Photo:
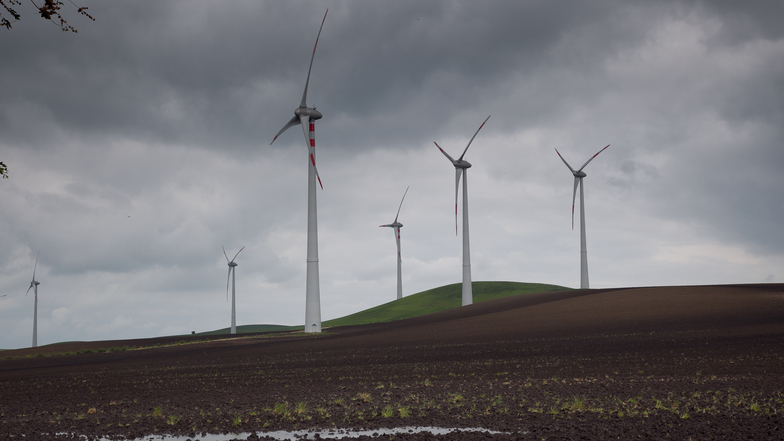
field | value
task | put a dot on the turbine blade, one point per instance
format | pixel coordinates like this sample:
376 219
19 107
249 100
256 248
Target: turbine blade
458 173
472 138
224 254
36 265
597 154
397 239
309 129
386 225
28 289
445 153
307 81
564 161
304 122
238 253
292 122
401 203
228 278
574 193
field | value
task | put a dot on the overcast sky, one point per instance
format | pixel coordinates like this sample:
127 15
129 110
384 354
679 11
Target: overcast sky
141 144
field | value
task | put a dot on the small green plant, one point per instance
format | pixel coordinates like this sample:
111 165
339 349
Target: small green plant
576 405
281 409
237 420
157 412
388 412
405 412
172 420
364 397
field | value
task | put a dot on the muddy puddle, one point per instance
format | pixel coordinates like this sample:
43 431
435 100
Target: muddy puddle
336 434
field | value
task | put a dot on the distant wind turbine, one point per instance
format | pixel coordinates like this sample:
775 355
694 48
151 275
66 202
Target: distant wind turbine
306 117
461 168
232 266
396 229
34 286
578 181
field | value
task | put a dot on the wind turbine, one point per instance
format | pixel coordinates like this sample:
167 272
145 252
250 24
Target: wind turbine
34 286
396 226
461 168
232 266
306 117
578 181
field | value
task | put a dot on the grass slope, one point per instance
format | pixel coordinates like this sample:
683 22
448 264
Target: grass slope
425 302
247 329
439 299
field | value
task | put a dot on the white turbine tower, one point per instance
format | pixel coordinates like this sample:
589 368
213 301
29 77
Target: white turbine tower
306 117
578 181
396 229
232 266
461 168
34 286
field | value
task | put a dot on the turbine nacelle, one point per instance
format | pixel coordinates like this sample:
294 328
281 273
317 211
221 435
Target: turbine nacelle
393 225
33 282
462 163
579 174
310 112
232 264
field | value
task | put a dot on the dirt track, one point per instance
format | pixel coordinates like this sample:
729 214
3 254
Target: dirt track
649 363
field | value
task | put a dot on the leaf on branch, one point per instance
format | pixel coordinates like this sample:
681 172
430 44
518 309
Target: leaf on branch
48 10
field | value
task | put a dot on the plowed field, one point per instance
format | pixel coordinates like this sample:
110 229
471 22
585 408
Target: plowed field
677 363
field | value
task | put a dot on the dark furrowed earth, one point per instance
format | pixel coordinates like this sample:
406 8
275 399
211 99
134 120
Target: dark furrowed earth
701 362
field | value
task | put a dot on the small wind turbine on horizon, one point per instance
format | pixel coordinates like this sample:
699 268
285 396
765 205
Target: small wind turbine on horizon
461 168
232 266
306 117
34 286
396 226
578 181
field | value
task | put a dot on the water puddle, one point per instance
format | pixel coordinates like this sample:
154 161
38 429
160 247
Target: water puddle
298 435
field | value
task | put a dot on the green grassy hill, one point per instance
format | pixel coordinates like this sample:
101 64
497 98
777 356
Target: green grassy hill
247 329
439 299
426 302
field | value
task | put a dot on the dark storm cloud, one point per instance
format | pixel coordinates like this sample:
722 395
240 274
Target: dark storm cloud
208 74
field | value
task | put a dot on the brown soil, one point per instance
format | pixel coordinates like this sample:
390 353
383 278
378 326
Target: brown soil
648 363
